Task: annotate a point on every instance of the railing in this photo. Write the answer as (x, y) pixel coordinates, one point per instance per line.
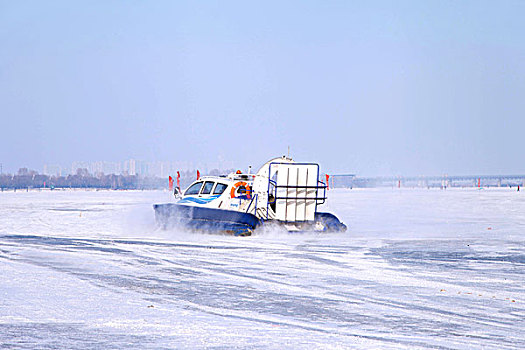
(254, 198)
(274, 186)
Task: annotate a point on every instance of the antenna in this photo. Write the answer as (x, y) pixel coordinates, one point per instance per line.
(288, 151)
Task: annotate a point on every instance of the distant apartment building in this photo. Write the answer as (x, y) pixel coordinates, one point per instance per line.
(136, 167)
(52, 170)
(106, 168)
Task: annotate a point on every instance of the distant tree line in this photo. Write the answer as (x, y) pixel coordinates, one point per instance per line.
(26, 178)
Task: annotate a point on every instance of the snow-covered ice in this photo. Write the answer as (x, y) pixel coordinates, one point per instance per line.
(417, 268)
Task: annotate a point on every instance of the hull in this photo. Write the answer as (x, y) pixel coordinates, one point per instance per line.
(322, 223)
(232, 222)
(329, 222)
(205, 219)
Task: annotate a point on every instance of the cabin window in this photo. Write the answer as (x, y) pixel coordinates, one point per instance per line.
(219, 189)
(208, 185)
(194, 189)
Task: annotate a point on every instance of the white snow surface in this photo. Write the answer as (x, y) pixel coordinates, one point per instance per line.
(417, 268)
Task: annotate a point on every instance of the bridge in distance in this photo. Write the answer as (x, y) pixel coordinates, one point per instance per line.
(352, 180)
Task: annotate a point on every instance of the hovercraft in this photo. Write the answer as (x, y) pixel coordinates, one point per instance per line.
(283, 192)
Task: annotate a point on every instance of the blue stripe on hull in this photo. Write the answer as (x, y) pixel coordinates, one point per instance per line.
(198, 200)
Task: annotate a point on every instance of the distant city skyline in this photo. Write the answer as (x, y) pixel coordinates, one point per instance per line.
(167, 168)
(133, 167)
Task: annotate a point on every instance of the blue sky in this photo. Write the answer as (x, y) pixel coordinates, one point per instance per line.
(373, 88)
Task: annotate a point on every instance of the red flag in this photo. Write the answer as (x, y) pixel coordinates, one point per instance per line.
(170, 181)
(178, 180)
(327, 182)
(198, 175)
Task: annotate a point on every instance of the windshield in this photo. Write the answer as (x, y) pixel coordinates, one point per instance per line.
(219, 188)
(194, 189)
(208, 185)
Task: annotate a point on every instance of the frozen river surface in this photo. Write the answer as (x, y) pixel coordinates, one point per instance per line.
(416, 269)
